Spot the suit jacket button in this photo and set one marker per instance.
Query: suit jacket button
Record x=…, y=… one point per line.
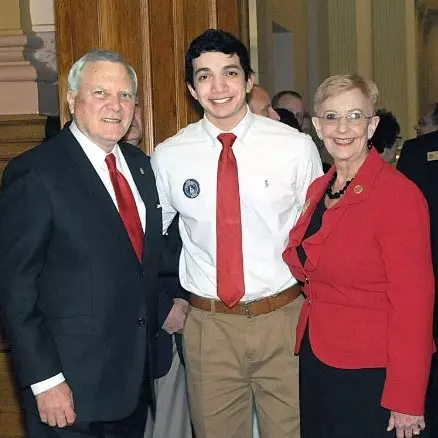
x=141, y=322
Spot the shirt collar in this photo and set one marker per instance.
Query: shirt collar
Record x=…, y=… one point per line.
x=240, y=130
x=95, y=154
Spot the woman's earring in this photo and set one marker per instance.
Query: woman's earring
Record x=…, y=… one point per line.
x=369, y=144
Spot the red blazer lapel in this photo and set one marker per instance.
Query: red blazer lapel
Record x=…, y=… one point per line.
x=314, y=195
x=359, y=190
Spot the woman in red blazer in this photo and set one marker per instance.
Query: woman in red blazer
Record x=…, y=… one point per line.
x=362, y=250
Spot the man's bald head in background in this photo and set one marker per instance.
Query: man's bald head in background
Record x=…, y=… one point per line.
x=259, y=103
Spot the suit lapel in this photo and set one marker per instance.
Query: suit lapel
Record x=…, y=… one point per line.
x=144, y=179
x=82, y=173
x=140, y=175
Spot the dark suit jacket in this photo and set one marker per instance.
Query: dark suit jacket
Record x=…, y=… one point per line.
x=73, y=296
x=414, y=163
x=170, y=288
x=368, y=281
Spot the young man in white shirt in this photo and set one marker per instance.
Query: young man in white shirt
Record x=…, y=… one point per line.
x=244, y=303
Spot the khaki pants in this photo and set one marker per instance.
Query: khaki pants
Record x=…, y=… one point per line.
x=233, y=362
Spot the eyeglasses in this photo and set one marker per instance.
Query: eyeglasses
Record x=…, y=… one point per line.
x=355, y=117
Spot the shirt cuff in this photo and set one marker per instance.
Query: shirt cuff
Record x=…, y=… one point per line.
x=45, y=385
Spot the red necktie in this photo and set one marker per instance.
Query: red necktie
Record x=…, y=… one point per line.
x=127, y=207
x=229, y=257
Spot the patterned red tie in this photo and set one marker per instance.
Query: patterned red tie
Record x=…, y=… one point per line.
x=230, y=281
x=127, y=207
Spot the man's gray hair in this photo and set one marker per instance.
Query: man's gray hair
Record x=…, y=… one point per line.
x=75, y=74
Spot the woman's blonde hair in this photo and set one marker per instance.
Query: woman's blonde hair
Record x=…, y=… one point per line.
x=337, y=84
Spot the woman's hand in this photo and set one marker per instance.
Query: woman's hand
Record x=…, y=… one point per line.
x=406, y=425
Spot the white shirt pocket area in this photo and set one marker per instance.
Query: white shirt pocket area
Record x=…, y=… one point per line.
x=269, y=199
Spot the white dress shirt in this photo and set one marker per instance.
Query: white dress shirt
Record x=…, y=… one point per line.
x=276, y=164
x=97, y=156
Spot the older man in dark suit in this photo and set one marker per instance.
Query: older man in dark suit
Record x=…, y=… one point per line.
x=419, y=162
x=80, y=239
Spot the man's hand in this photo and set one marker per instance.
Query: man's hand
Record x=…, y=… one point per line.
x=175, y=319
x=56, y=406
x=406, y=425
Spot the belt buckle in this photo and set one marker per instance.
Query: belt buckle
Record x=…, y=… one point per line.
x=247, y=309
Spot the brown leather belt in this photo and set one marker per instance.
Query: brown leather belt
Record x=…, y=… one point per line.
x=251, y=308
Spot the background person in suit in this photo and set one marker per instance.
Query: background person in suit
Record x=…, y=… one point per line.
x=419, y=162
x=385, y=136
x=78, y=274
x=429, y=121
x=292, y=101
x=362, y=250
x=172, y=418
x=135, y=131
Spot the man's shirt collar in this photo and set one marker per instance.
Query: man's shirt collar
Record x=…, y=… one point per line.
x=95, y=154
x=240, y=130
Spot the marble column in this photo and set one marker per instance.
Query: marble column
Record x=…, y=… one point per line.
x=18, y=87
x=41, y=52
x=395, y=60
x=377, y=39
x=364, y=38
x=342, y=42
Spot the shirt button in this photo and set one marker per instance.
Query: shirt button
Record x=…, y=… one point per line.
x=141, y=322
x=306, y=280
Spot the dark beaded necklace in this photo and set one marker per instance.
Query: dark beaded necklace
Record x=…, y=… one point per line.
x=336, y=195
